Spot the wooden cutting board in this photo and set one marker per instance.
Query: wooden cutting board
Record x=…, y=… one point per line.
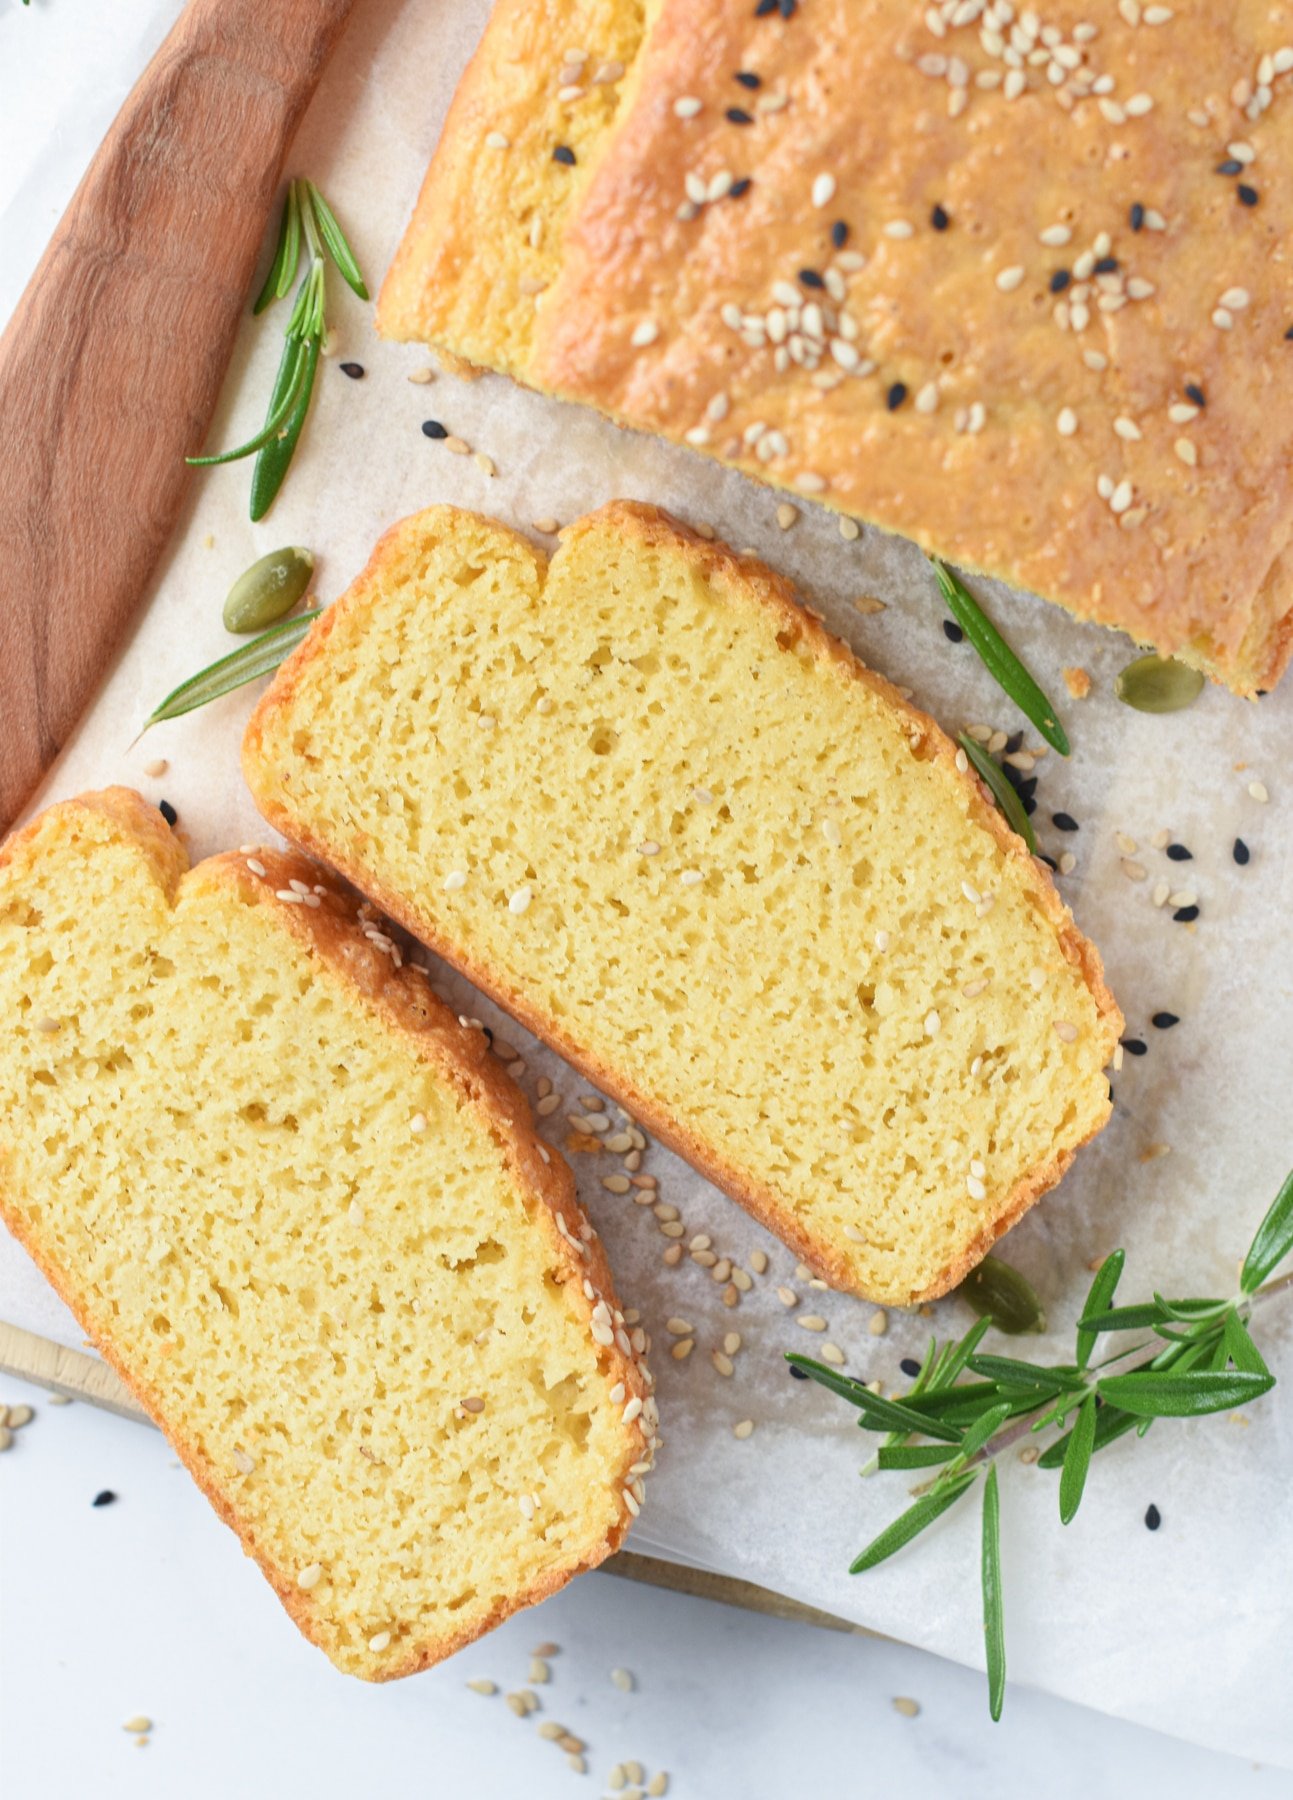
x=111, y=366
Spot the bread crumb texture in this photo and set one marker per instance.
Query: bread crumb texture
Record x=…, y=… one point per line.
x=396, y=1375
x=648, y=803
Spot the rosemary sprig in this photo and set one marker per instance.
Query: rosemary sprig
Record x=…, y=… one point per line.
x=1199, y=1358
x=307, y=221
x=1008, y=802
x=999, y=659
x=259, y=657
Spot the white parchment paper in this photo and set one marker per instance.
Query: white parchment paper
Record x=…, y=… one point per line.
x=1189, y=1629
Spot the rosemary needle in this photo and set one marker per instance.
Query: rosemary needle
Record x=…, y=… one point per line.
x=259, y=657
x=999, y=659
x=1008, y=801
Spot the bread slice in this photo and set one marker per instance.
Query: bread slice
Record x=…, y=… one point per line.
x=305, y=1217
x=999, y=286
x=645, y=801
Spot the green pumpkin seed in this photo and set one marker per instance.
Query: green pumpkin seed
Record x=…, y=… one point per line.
x=1158, y=684
x=269, y=589
x=996, y=1291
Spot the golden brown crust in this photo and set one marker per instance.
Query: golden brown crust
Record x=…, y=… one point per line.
x=401, y=998
x=759, y=586
x=1194, y=562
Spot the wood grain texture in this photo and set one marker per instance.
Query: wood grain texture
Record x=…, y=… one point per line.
x=111, y=366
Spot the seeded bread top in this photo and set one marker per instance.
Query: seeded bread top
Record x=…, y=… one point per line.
x=1013, y=286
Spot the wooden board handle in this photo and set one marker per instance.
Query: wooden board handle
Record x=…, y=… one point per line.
x=111, y=366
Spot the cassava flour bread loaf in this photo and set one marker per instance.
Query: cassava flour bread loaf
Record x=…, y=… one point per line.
x=298, y=1208
x=644, y=800
x=1010, y=281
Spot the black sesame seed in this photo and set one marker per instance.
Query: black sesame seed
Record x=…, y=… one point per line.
x=104, y=1497
x=1241, y=852
x=811, y=279
x=564, y=154
x=1014, y=743
x=839, y=234
x=1288, y=335
x=1194, y=392
x=432, y=428
x=788, y=8
x=1153, y=1518
x=1029, y=805
x=737, y=115
x=765, y=7
x=1231, y=166
x=939, y=219
x=1106, y=265
x=748, y=79
x=909, y=1366
x=797, y=1374
x=354, y=370
x=1060, y=280
x=1050, y=862
x=1179, y=853
x=952, y=631
x=1064, y=822
x=1164, y=1021
x=1248, y=196
x=168, y=812
x=1134, y=1046
x=738, y=188
x=1186, y=915
x=1137, y=216
x=896, y=395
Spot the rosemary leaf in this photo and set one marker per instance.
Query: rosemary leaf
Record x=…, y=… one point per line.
x=1077, y=1460
x=878, y=1414
x=994, y=1629
x=1240, y=1348
x=285, y=396
x=1273, y=1241
x=282, y=271
x=1111, y=1423
x=1009, y=1371
x=1101, y=1293
x=335, y=239
x=910, y=1524
x=1122, y=1318
x=1183, y=1395
x=914, y=1456
x=1008, y=801
x=259, y=657
x=999, y=659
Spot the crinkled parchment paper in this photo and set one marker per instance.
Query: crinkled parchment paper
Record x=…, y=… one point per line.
x=1189, y=1629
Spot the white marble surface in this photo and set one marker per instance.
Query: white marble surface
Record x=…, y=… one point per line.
x=146, y=1606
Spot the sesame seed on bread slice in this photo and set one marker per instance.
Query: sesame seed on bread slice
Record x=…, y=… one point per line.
x=306, y=1217
x=642, y=798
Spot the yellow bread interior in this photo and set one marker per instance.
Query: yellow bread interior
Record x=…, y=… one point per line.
x=283, y=1192
x=641, y=797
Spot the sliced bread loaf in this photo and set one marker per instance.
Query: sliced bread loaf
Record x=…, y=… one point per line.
x=645, y=801
x=304, y=1215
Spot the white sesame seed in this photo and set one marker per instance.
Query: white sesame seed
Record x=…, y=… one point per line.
x=1128, y=429
x=974, y=1188
x=1187, y=451
x=379, y=1641
x=932, y=1023
x=1235, y=298
x=823, y=190
x=1065, y=1031
x=520, y=900
x=1258, y=791
x=687, y=107
x=1066, y=424
x=496, y=140
x=1055, y=236
x=418, y=1124
x=899, y=228
x=644, y=333
x=1139, y=105
x=1009, y=279
x=1120, y=498
x=309, y=1576
x=691, y=877
x=1223, y=320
